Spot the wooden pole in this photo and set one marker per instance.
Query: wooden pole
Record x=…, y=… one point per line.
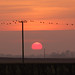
x=23, y=39
x=22, y=42
x=44, y=52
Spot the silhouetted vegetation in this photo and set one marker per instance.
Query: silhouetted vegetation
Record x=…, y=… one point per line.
x=63, y=54
x=37, y=69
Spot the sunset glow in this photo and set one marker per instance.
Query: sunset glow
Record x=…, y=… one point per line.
x=61, y=12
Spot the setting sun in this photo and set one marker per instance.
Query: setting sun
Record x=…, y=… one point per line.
x=36, y=46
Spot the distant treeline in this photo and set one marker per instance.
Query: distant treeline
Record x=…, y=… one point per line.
x=65, y=54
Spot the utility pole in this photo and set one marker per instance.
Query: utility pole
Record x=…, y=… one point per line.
x=23, y=39
x=44, y=52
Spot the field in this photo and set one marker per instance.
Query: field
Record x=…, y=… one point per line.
x=37, y=60
x=14, y=66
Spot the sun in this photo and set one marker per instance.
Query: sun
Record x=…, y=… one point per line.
x=36, y=46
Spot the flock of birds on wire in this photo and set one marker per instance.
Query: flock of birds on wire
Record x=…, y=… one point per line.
x=32, y=21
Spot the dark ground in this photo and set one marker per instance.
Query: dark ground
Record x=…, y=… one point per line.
x=37, y=60
x=37, y=67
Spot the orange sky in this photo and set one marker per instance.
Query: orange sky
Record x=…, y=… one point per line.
x=61, y=11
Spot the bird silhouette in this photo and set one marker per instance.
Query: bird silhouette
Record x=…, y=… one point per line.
x=49, y=22
x=67, y=24
x=15, y=22
x=43, y=22
x=72, y=24
x=56, y=23
x=9, y=23
x=40, y=22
